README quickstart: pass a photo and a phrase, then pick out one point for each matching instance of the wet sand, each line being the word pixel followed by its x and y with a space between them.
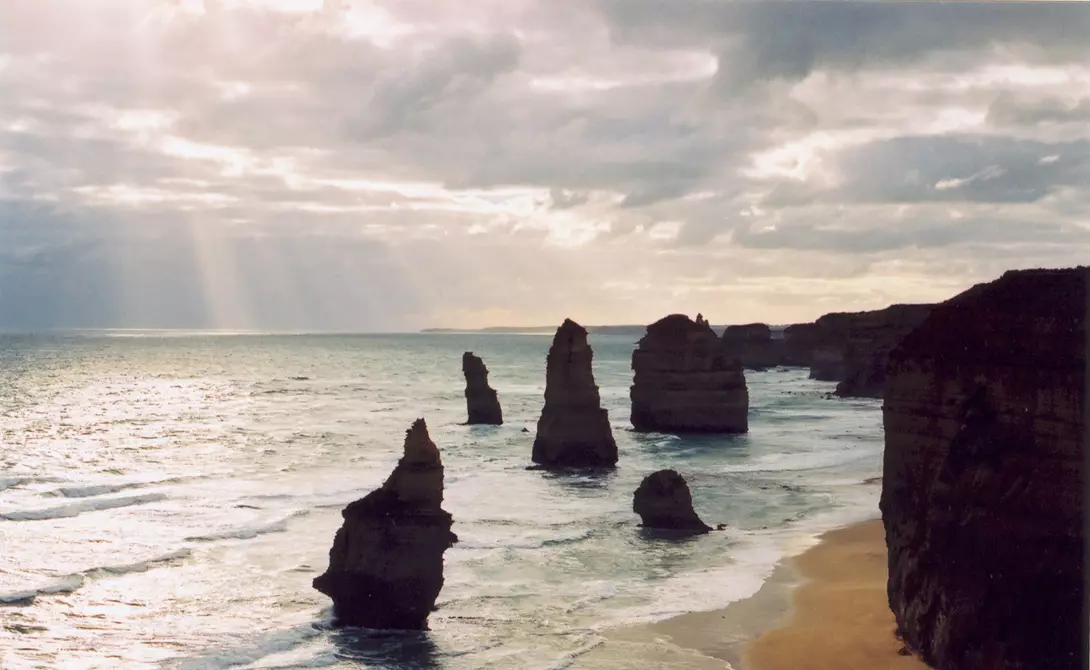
pixel 840 619
pixel 822 610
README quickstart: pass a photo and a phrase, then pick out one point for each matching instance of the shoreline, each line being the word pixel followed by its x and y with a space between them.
pixel 824 608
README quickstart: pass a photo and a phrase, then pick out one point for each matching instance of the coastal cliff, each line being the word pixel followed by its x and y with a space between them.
pixel 574 429
pixel 983 476
pixel 482 403
pixel 870 337
pixel 684 382
pixel 851 348
pixel 386 565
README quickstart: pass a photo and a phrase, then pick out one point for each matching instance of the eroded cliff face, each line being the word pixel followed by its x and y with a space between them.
pixel 983 476
pixel 685 382
pixel 482 403
pixel 869 338
pixel 574 429
pixel 386 565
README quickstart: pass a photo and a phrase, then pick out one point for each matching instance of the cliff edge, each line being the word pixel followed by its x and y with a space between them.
pixel 983 476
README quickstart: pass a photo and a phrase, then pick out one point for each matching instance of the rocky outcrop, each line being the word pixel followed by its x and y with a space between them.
pixel 753 347
pixel 482 402
pixel 574 429
pixel 851 347
pixel 983 476
pixel 799 342
pixel 870 337
pixel 386 564
pixel 685 382
pixel 663 502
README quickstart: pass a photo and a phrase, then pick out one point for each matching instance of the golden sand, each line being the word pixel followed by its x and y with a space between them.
pixel 823 610
pixel 841 618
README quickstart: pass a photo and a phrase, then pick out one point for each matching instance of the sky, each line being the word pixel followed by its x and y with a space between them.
pixel 390 165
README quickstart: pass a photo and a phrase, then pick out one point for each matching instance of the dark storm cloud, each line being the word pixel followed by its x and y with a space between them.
pixel 769 39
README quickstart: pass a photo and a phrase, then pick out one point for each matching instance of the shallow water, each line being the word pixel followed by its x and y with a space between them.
pixel 165 501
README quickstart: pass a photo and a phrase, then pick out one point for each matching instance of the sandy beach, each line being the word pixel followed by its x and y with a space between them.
pixel 822 610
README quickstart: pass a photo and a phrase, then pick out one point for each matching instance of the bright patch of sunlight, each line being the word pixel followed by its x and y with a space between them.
pixel 144 119
pixel 571 231
pixel 374 24
pixel 987 174
pixel 684 66
pixel 125 194
pixel 294 6
pixel 233 90
pixel 664 230
pixel 795 160
pixel 235 161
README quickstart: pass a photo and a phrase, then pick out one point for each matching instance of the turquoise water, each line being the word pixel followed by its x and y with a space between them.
pixel 165 500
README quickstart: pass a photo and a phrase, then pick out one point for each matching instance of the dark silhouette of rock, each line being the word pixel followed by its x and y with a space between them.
pixel 752 346
pixel 482 402
pixel 663 501
pixel 685 382
pixel 983 476
pixel 386 564
pixel 870 336
pixel 851 348
pixel 799 341
pixel 574 429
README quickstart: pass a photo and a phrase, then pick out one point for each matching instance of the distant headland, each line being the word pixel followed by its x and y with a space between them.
pixel 636 330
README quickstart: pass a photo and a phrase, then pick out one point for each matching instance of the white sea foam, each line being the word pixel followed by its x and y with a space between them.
pixel 11 482
pixel 66 584
pixel 569 658
pixel 95 490
pixel 265 646
pixel 139 566
pixel 75 509
pixel 75 581
pixel 249 532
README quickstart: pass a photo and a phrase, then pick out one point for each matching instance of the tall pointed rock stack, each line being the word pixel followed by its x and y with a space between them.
pixel 482 403
pixel 573 430
pixel 386 564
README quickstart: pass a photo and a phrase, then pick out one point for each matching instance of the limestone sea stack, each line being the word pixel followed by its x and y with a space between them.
pixel 685 381
pixel 482 402
pixel 983 476
pixel 753 346
pixel 574 429
pixel 386 564
pixel 664 502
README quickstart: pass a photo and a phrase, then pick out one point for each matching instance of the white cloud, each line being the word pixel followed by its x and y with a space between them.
pixel 396 164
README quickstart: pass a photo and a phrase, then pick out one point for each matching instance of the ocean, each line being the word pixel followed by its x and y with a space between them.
pixel 167 498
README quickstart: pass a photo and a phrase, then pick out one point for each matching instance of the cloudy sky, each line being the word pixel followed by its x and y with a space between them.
pixel 397 164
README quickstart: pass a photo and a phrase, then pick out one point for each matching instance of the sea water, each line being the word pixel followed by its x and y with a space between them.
pixel 166 499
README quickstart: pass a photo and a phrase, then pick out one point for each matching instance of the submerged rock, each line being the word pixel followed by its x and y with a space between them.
pixel 386 564
pixel 685 382
pixel 574 429
pixel 983 476
pixel 483 405
pixel 664 502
